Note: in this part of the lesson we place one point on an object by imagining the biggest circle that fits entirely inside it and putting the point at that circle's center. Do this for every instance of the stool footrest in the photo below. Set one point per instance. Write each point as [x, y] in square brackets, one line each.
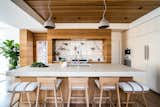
[77, 97]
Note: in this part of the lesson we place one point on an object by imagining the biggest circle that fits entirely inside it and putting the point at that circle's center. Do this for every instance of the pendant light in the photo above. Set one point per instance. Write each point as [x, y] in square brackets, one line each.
[104, 23]
[49, 24]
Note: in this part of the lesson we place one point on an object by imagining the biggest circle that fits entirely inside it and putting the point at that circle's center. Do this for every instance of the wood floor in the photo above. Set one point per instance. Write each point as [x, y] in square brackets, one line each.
[153, 99]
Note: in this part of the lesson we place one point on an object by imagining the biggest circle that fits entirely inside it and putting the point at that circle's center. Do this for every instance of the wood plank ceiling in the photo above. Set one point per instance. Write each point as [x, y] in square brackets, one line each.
[90, 11]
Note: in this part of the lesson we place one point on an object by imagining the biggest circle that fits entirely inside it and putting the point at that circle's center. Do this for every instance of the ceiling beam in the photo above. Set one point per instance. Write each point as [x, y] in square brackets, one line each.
[25, 7]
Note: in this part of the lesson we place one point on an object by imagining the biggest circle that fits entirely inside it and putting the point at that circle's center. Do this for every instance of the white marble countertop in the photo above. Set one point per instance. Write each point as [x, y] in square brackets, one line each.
[92, 70]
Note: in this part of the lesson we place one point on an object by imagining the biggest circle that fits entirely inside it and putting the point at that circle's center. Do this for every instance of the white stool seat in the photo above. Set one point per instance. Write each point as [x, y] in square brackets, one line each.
[59, 81]
[23, 87]
[105, 87]
[133, 87]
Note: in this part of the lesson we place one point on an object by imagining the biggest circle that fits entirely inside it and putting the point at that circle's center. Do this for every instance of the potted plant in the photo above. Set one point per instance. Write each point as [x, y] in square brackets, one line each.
[57, 55]
[10, 50]
[39, 64]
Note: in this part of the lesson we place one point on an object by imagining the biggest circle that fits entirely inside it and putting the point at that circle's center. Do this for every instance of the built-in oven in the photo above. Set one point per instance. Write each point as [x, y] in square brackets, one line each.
[127, 57]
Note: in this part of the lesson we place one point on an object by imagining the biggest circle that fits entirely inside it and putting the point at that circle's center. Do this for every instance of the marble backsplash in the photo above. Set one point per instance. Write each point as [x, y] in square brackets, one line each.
[91, 50]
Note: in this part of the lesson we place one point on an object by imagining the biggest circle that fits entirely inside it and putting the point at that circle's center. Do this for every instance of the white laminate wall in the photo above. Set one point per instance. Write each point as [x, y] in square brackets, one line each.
[141, 33]
[116, 47]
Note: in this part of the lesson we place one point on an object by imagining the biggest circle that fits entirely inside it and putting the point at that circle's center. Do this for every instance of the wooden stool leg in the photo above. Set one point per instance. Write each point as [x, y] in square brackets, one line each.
[144, 98]
[12, 98]
[110, 99]
[55, 96]
[62, 103]
[28, 98]
[37, 96]
[87, 98]
[69, 98]
[128, 97]
[109, 93]
[19, 99]
[45, 99]
[100, 99]
[93, 104]
[118, 96]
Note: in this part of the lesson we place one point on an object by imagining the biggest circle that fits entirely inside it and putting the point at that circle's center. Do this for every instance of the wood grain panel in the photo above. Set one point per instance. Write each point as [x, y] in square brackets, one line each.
[90, 11]
[77, 34]
[26, 47]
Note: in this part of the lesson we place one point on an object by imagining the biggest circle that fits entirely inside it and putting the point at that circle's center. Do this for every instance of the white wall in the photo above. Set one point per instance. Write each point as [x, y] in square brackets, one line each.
[116, 47]
[146, 31]
[11, 33]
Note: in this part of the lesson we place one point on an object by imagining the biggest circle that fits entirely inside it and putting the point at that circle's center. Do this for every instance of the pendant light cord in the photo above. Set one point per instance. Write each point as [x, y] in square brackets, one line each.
[49, 9]
[105, 7]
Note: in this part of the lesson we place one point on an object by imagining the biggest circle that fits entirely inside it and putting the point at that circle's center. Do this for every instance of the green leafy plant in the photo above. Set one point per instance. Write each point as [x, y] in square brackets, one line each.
[10, 50]
[38, 64]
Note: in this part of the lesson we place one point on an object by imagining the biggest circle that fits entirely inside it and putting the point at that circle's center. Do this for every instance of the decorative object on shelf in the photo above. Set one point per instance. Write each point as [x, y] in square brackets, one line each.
[104, 23]
[97, 46]
[90, 60]
[62, 59]
[99, 59]
[10, 50]
[92, 48]
[64, 64]
[62, 48]
[66, 44]
[57, 54]
[75, 48]
[39, 64]
[82, 43]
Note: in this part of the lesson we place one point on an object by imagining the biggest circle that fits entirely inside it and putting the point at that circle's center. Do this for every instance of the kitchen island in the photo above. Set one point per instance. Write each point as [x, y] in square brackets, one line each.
[84, 70]
[93, 71]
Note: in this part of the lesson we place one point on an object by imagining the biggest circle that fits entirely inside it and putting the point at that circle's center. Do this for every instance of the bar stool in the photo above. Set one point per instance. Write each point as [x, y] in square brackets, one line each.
[134, 88]
[50, 84]
[21, 88]
[78, 84]
[107, 85]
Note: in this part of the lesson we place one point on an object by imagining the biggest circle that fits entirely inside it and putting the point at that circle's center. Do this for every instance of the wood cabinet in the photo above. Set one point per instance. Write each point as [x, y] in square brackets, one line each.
[29, 39]
[26, 47]
[79, 34]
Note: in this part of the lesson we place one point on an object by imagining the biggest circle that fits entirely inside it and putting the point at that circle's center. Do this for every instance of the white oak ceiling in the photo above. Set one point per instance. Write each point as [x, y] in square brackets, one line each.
[90, 11]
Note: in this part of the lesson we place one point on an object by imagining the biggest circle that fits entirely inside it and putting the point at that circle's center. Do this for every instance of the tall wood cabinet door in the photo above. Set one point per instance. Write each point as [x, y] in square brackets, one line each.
[153, 66]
